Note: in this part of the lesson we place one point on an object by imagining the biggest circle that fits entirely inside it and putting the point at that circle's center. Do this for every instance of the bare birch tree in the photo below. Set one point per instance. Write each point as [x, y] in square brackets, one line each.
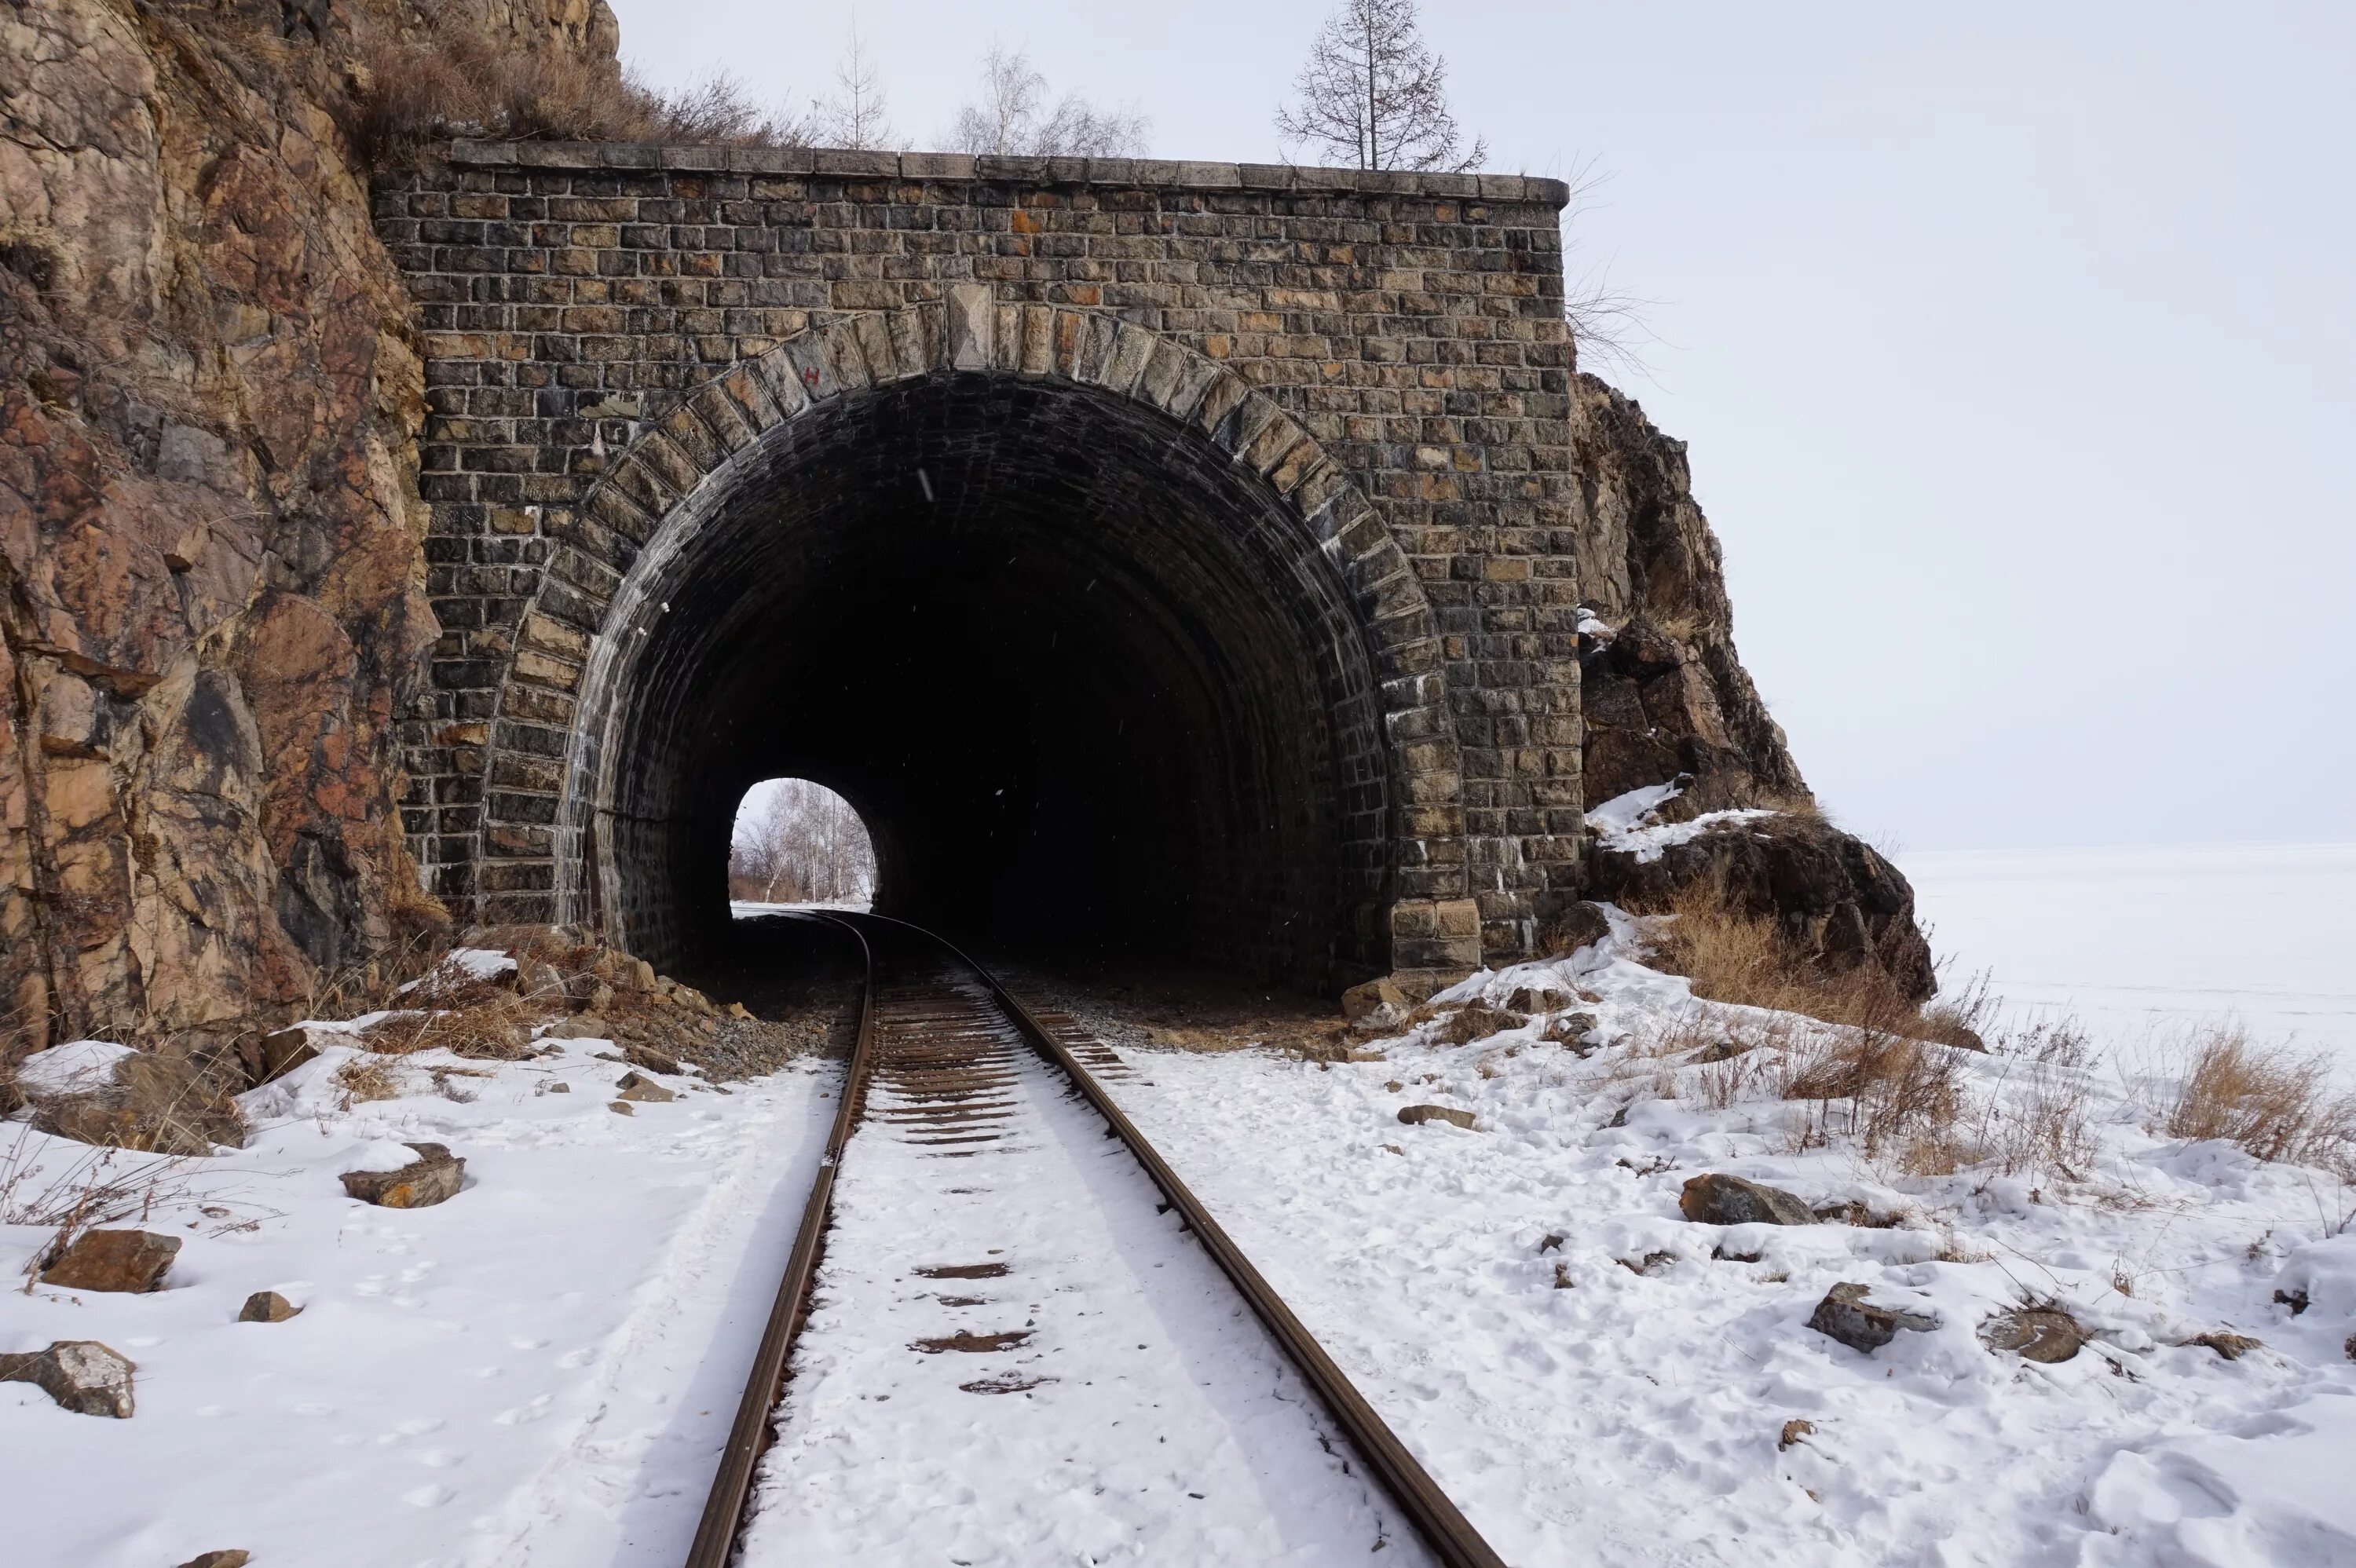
[1011, 117]
[802, 843]
[858, 115]
[1374, 95]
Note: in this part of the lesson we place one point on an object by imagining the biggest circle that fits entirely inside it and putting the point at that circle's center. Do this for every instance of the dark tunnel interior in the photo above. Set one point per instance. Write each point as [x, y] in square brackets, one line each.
[1089, 686]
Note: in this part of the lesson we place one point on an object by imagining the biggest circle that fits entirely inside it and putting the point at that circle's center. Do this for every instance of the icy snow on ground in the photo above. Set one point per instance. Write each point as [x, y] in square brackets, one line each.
[1596, 1379]
[2138, 941]
[539, 1370]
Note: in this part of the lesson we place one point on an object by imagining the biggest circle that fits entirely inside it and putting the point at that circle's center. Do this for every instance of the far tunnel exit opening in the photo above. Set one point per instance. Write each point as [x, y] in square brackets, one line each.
[796, 842]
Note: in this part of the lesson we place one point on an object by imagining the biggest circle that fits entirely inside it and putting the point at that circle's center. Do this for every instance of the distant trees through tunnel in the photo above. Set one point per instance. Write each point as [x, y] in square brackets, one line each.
[799, 842]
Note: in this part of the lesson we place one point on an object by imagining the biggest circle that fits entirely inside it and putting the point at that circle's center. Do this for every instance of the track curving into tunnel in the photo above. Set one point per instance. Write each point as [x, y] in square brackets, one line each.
[1081, 673]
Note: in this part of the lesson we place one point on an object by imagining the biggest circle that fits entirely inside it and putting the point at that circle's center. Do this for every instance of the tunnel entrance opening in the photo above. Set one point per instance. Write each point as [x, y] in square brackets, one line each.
[795, 842]
[1086, 678]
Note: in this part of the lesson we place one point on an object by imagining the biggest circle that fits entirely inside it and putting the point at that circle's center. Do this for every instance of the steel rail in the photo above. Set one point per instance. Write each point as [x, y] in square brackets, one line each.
[723, 1509]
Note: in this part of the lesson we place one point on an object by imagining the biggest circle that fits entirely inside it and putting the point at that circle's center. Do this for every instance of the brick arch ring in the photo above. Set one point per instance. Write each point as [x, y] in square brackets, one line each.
[544, 768]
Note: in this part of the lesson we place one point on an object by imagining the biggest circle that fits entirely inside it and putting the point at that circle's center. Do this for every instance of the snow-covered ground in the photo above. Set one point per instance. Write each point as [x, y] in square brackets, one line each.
[2141, 940]
[541, 1369]
[1597, 1380]
[538, 1370]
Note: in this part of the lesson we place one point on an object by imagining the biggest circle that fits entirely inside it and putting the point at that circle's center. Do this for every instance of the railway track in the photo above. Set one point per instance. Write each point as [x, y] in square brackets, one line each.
[1028, 1336]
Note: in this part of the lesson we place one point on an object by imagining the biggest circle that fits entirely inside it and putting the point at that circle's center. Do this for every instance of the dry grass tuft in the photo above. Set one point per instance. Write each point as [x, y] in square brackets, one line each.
[453, 81]
[495, 1026]
[2269, 1100]
[360, 1080]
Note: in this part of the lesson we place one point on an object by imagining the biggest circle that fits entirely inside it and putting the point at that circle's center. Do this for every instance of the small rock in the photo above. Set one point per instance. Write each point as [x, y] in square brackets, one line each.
[623, 1107]
[1416, 1115]
[132, 1261]
[1793, 1431]
[738, 1011]
[1375, 997]
[266, 1306]
[646, 1091]
[1478, 1021]
[274, 1056]
[2294, 1299]
[1537, 999]
[1649, 1263]
[580, 1026]
[1552, 1242]
[1716, 1199]
[1845, 1313]
[2034, 1334]
[81, 1375]
[560, 1087]
[434, 1177]
[1580, 925]
[1570, 1030]
[220, 1560]
[537, 980]
[1562, 1280]
[2230, 1345]
[651, 1060]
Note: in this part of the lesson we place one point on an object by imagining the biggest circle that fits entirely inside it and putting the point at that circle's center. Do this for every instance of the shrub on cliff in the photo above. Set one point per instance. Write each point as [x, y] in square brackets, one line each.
[449, 80]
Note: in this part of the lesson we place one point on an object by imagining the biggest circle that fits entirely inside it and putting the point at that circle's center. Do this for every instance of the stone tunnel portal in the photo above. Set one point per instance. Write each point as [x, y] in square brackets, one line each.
[1089, 682]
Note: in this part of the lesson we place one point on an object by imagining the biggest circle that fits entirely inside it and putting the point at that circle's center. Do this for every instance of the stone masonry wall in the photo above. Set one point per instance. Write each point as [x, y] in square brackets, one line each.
[570, 296]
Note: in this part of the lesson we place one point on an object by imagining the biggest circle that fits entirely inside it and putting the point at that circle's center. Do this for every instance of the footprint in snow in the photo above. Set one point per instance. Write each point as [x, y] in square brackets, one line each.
[433, 1495]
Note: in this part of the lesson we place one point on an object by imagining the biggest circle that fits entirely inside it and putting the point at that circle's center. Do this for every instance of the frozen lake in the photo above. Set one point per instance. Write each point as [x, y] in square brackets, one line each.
[2139, 942]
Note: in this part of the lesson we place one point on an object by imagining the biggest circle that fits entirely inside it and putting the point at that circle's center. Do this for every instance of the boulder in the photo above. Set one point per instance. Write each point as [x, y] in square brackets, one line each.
[580, 1026]
[267, 1306]
[1834, 898]
[434, 1177]
[231, 1559]
[1848, 1314]
[81, 1375]
[1416, 1115]
[129, 1261]
[642, 1089]
[1720, 1200]
[2034, 1334]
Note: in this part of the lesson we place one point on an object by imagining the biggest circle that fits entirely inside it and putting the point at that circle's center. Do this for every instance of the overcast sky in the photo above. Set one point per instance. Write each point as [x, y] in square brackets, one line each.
[2013, 343]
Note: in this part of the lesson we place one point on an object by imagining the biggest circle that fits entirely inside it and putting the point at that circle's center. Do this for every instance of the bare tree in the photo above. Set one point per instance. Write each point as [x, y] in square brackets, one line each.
[1012, 120]
[858, 115]
[801, 844]
[1372, 93]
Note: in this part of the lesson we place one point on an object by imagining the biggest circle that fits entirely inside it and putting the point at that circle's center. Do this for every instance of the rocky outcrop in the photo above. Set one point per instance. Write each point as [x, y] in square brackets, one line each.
[1666, 698]
[1662, 689]
[211, 538]
[1836, 900]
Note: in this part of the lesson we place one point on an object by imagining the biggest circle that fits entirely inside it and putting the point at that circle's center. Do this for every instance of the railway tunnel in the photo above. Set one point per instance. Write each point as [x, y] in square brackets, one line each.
[1083, 674]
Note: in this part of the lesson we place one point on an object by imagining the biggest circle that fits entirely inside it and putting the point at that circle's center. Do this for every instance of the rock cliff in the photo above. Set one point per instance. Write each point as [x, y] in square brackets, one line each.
[209, 534]
[1663, 696]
